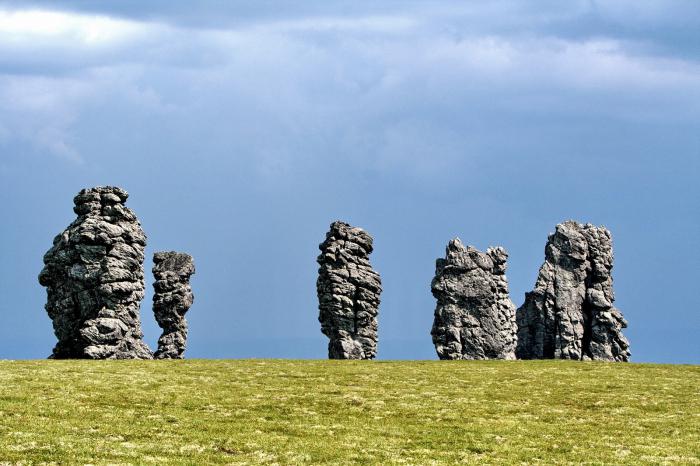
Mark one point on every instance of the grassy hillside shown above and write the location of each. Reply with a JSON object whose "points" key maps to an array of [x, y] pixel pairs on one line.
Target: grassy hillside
{"points": [[291, 412]]}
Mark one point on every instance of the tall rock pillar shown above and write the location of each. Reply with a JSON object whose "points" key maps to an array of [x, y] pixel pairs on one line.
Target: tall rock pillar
{"points": [[570, 313], [348, 293], [474, 317], [94, 280], [172, 299]]}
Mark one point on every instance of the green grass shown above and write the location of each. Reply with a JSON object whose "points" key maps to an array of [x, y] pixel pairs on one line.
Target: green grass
{"points": [[348, 412]]}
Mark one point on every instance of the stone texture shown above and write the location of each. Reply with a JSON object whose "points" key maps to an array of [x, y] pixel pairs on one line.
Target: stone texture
{"points": [[570, 313], [172, 299], [348, 293], [474, 317], [94, 279]]}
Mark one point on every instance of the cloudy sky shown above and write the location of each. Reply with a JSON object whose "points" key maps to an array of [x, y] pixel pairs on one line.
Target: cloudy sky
{"points": [[242, 129]]}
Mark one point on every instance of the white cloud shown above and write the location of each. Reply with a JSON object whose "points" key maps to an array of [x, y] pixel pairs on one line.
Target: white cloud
{"points": [[315, 77], [367, 24], [91, 30]]}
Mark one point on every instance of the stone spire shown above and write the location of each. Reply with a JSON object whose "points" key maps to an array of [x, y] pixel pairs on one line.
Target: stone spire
{"points": [[348, 293], [474, 317], [94, 279], [570, 313], [173, 297]]}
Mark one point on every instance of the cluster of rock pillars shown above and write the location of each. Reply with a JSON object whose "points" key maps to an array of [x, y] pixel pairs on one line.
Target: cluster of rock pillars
{"points": [[95, 283], [94, 279], [569, 314]]}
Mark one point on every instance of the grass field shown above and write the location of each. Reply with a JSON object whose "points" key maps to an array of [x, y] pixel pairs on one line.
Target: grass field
{"points": [[348, 412]]}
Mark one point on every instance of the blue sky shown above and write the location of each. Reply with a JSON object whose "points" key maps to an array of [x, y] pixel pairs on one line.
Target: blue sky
{"points": [[242, 129]]}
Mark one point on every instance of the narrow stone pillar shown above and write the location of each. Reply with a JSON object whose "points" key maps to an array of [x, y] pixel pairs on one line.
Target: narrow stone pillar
{"points": [[172, 299], [348, 293]]}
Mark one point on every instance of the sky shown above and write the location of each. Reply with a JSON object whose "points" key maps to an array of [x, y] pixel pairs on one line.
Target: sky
{"points": [[241, 130]]}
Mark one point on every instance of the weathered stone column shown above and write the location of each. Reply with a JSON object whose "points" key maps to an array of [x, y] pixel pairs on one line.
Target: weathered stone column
{"points": [[570, 313], [348, 293], [172, 299], [94, 280], [474, 317]]}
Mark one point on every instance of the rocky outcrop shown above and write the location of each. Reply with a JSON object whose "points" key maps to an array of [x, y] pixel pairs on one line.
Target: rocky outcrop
{"points": [[474, 317], [94, 279], [348, 293], [172, 299], [570, 313]]}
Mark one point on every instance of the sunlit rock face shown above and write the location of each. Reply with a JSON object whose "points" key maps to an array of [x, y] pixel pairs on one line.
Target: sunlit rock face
{"points": [[570, 313], [171, 300], [348, 293], [94, 279], [474, 316]]}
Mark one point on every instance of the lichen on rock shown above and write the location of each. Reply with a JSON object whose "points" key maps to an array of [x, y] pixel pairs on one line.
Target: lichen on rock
{"points": [[348, 293], [94, 279], [570, 313]]}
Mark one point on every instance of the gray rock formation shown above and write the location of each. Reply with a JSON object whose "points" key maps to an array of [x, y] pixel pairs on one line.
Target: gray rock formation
{"points": [[172, 299], [474, 317], [570, 313], [94, 279], [348, 293]]}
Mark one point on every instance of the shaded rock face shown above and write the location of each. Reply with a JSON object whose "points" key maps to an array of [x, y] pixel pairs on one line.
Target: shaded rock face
{"points": [[172, 299], [474, 317], [570, 313], [348, 293], [94, 279]]}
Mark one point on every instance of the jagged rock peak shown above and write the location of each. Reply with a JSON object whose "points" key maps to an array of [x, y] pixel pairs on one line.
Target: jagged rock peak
{"points": [[94, 280], [570, 312], [101, 200], [474, 316], [348, 293], [171, 300]]}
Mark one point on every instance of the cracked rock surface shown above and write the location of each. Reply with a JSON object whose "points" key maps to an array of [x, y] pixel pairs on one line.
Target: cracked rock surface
{"points": [[94, 280], [474, 317], [172, 299], [570, 313], [348, 293]]}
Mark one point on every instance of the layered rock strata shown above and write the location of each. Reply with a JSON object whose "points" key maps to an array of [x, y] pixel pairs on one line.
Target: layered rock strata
{"points": [[570, 313], [474, 317], [348, 293], [172, 299], [94, 279]]}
